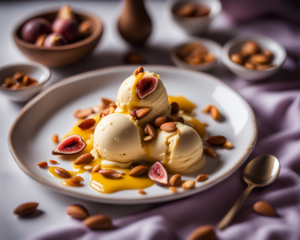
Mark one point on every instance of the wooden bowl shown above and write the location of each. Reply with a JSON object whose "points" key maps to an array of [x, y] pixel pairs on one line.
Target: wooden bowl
{"points": [[60, 56]]}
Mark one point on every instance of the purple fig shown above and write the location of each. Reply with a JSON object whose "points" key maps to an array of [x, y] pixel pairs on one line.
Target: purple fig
{"points": [[71, 145], [35, 28], [158, 174], [146, 86], [54, 39]]}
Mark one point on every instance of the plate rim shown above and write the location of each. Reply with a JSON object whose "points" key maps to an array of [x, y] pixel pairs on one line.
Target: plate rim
{"points": [[153, 199]]}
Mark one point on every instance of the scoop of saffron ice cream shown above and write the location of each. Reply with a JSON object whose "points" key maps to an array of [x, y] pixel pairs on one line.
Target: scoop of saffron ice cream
{"points": [[141, 91], [118, 141], [179, 152]]}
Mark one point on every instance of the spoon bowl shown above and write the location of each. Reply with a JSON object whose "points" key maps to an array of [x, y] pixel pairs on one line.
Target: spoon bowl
{"points": [[262, 170]]}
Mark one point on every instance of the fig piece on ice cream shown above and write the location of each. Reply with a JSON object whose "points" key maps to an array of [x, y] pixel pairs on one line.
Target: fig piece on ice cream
{"points": [[158, 174], [146, 86], [71, 145]]}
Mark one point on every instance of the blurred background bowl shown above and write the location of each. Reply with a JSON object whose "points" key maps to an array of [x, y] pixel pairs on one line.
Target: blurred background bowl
{"points": [[234, 46], [61, 55], [193, 25], [212, 47], [35, 70]]}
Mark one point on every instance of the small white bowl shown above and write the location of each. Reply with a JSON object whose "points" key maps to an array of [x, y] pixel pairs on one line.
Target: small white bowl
{"points": [[194, 25], [234, 46], [37, 71], [212, 47]]}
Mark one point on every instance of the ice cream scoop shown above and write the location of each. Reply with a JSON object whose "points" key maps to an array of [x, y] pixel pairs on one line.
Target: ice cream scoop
{"points": [[117, 140], [180, 151], [144, 90]]}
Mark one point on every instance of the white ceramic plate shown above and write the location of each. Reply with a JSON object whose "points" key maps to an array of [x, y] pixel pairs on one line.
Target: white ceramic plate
{"points": [[52, 112]]}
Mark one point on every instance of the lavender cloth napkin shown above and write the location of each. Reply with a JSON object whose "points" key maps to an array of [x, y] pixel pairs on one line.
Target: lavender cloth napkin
{"points": [[276, 103]]}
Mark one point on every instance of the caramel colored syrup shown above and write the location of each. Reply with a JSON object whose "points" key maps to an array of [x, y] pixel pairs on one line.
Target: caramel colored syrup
{"points": [[97, 181]]}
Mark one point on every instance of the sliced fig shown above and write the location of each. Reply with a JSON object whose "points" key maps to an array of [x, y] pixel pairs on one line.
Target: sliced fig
{"points": [[158, 174], [71, 145], [146, 86]]}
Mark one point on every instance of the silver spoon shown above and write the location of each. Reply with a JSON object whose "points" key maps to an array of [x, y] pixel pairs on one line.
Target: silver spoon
{"points": [[259, 172]]}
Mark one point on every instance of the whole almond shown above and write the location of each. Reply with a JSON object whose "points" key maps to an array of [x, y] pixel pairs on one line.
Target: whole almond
{"points": [[62, 172], [214, 112], [77, 211], [262, 67], [264, 208], [236, 58], [169, 127], [151, 130], [175, 180], [159, 121], [42, 164], [83, 113], [142, 112], [87, 124], [249, 48], [98, 222], [206, 109], [18, 76], [84, 159], [259, 59], [174, 108], [74, 181], [112, 174], [52, 161], [26, 208], [202, 178], [268, 54], [142, 192], [249, 65], [55, 138], [209, 151], [216, 140], [139, 171], [96, 168], [205, 232], [173, 189], [148, 138], [188, 184]]}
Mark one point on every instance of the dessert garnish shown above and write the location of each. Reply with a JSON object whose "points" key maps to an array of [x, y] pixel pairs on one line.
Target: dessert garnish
{"points": [[192, 10], [71, 145], [19, 81], [188, 184], [216, 140], [251, 56], [146, 86], [26, 208], [202, 178], [175, 180], [264, 208], [158, 174], [77, 211]]}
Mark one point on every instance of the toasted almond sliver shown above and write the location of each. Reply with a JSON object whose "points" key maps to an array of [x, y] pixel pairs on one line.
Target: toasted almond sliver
{"points": [[214, 112], [55, 138], [206, 109], [202, 178], [188, 184], [96, 168], [42, 164], [142, 192], [227, 145], [52, 161], [209, 151], [88, 168]]}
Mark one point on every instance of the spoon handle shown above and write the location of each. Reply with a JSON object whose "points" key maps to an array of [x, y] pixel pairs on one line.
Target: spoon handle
{"points": [[235, 208]]}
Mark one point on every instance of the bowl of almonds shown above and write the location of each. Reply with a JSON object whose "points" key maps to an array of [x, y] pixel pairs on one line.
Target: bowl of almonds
{"points": [[198, 54], [253, 57], [20, 82]]}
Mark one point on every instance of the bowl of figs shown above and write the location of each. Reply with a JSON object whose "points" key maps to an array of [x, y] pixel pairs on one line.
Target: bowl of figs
{"points": [[58, 38]]}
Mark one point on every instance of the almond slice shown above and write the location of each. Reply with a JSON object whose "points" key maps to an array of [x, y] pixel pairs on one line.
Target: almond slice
{"points": [[148, 139], [214, 112], [142, 192], [96, 168], [142, 112], [173, 189], [52, 161], [84, 159], [209, 151], [88, 168], [74, 181], [42, 164], [55, 138], [188, 184], [227, 145]]}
